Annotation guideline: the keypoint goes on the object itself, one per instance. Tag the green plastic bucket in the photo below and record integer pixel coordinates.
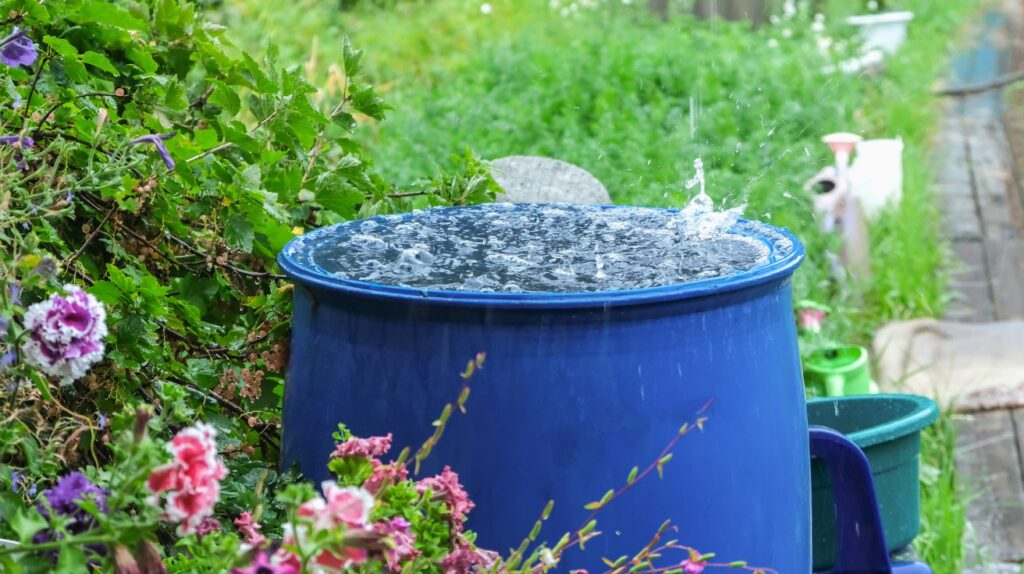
(888, 429)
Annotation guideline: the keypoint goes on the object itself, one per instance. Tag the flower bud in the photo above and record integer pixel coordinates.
(124, 562)
(149, 559)
(142, 416)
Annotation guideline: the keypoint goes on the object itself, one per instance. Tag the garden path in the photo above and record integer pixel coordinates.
(983, 217)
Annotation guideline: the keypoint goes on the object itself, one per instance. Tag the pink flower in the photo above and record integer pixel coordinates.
(811, 319)
(347, 508)
(65, 334)
(191, 480)
(264, 563)
(693, 564)
(464, 559)
(373, 446)
(446, 486)
(399, 542)
(209, 525)
(249, 529)
(391, 473)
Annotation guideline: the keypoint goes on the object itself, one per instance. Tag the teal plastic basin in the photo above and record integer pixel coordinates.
(888, 429)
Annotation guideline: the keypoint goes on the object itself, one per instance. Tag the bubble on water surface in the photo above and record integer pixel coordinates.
(540, 247)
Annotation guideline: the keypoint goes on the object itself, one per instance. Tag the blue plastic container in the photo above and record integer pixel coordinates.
(578, 388)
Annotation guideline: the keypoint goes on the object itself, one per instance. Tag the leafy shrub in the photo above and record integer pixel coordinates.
(150, 162)
(162, 169)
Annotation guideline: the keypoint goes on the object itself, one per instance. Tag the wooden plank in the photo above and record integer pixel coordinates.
(990, 169)
(988, 462)
(1006, 266)
(972, 297)
(959, 217)
(1002, 214)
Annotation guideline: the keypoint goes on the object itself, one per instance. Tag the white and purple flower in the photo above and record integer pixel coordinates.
(17, 49)
(65, 334)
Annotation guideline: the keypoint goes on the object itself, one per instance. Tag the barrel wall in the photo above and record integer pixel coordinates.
(568, 402)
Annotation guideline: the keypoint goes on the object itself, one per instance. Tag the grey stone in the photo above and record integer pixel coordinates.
(530, 179)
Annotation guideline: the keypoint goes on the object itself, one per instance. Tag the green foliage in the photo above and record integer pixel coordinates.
(182, 258)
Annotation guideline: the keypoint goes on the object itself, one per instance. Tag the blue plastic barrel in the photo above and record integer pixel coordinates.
(578, 389)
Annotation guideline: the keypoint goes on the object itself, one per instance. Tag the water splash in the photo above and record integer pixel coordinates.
(699, 218)
(535, 248)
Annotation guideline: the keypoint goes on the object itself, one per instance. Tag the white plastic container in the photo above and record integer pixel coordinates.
(885, 31)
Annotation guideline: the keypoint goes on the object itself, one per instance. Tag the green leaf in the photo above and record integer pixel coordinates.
(100, 61)
(71, 561)
(26, 523)
(95, 11)
(226, 98)
(141, 58)
(238, 233)
(252, 178)
(42, 385)
(106, 292)
(352, 58)
(343, 200)
(62, 46)
(366, 101)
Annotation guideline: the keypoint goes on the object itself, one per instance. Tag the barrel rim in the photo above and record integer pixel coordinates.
(773, 270)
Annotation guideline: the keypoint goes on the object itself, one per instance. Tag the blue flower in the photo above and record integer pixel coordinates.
(19, 144)
(158, 141)
(17, 49)
(8, 359)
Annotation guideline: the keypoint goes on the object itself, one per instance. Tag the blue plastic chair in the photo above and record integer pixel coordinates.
(862, 548)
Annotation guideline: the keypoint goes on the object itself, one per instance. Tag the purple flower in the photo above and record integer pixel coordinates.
(65, 334)
(19, 144)
(158, 141)
(66, 496)
(5, 324)
(17, 49)
(65, 500)
(14, 292)
(8, 359)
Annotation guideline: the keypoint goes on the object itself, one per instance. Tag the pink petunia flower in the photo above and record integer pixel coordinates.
(398, 542)
(446, 486)
(373, 446)
(65, 334)
(249, 529)
(464, 559)
(391, 473)
(191, 481)
(209, 525)
(348, 508)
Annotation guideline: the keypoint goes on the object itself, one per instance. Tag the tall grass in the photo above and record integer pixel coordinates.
(943, 503)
